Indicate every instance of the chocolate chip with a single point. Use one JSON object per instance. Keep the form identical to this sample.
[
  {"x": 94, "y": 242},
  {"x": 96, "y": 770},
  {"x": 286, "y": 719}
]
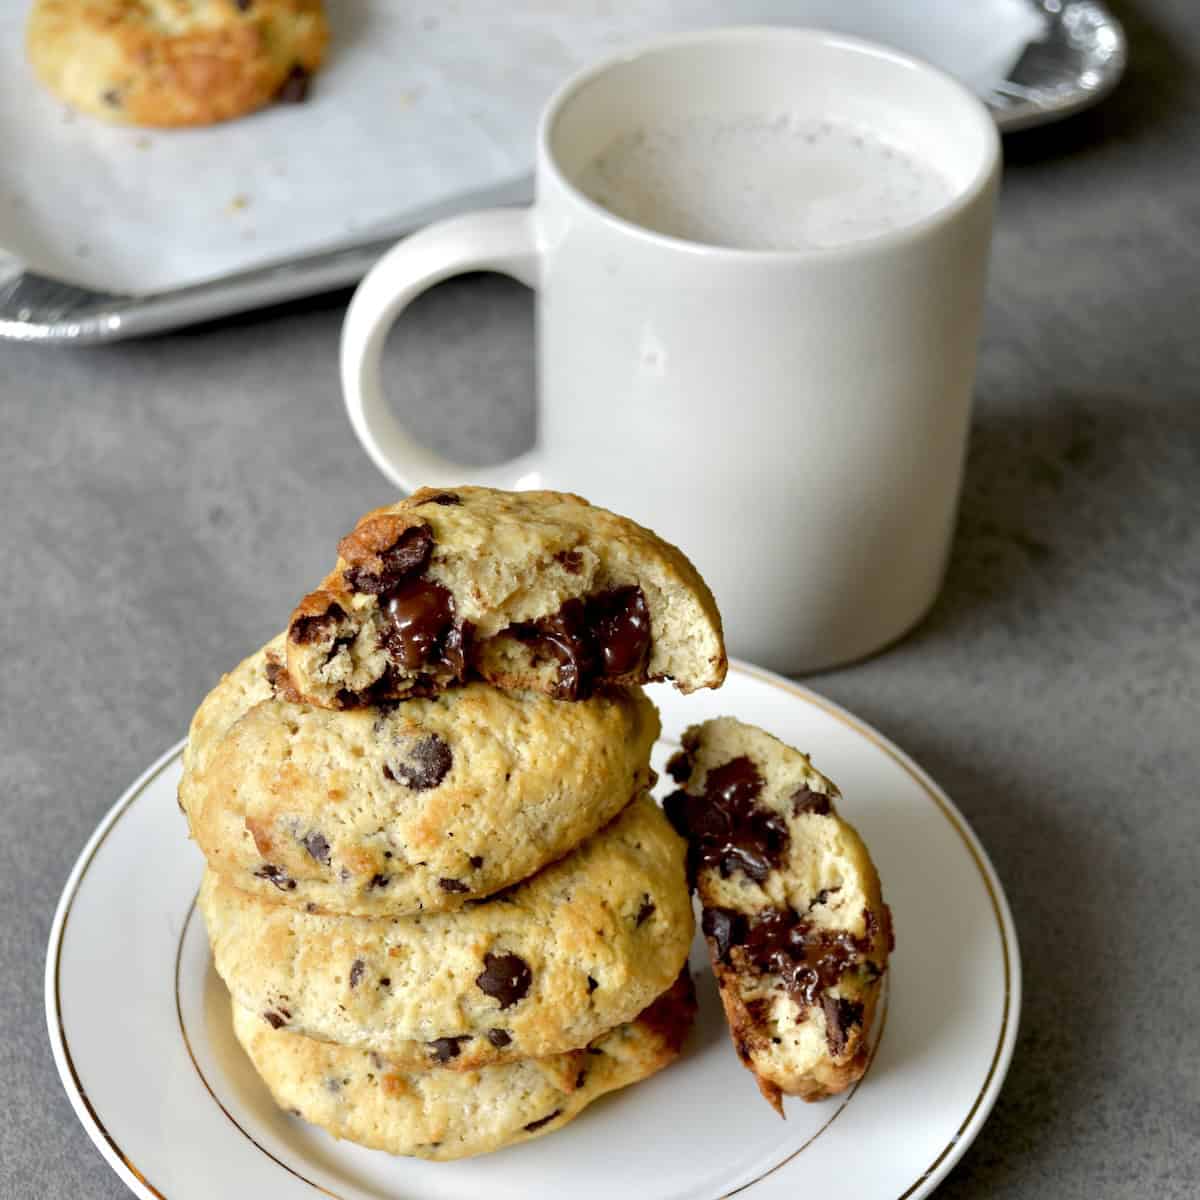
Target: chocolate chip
[
  {"x": 273, "y": 670},
  {"x": 444, "y": 1049},
  {"x": 425, "y": 765},
  {"x": 805, "y": 800},
  {"x": 306, "y": 630},
  {"x": 356, "y": 972},
  {"x": 498, "y": 1038},
  {"x": 807, "y": 960},
  {"x": 407, "y": 556},
  {"x": 571, "y": 560},
  {"x": 274, "y": 1020},
  {"x": 644, "y": 913},
  {"x": 580, "y": 1078},
  {"x": 822, "y": 897},
  {"x": 318, "y": 847},
  {"x": 476, "y": 861},
  {"x": 452, "y": 885},
  {"x": 505, "y": 977},
  {"x": 605, "y": 637},
  {"x": 385, "y": 981},
  {"x": 443, "y": 498},
  {"x": 419, "y": 627},
  {"x": 841, "y": 1015},
  {"x": 592, "y": 985},
  {"x": 244, "y": 5},
  {"x": 542, "y": 1120},
  {"x": 620, "y": 623},
  {"x": 111, "y": 97},
  {"x": 379, "y": 881},
  {"x": 725, "y": 927},
  {"x": 295, "y": 86},
  {"x": 725, "y": 828},
  {"x": 276, "y": 875},
  {"x": 679, "y": 766}
]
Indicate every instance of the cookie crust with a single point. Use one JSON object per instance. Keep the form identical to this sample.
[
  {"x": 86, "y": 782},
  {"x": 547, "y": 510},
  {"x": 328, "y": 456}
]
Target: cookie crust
[{"x": 170, "y": 63}]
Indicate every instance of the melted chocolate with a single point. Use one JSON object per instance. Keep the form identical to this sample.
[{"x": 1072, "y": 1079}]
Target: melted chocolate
[
  {"x": 725, "y": 828},
  {"x": 443, "y": 498},
  {"x": 679, "y": 766},
  {"x": 452, "y": 885},
  {"x": 605, "y": 637},
  {"x": 407, "y": 556},
  {"x": 505, "y": 977},
  {"x": 418, "y": 615},
  {"x": 620, "y": 624},
  {"x": 807, "y": 960}
]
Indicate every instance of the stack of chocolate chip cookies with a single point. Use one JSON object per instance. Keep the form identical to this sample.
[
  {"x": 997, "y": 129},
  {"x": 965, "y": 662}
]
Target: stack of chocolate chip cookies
[{"x": 446, "y": 908}]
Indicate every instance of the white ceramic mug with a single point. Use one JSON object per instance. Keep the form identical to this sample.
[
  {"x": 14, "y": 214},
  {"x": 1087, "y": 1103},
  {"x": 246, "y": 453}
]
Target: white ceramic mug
[{"x": 797, "y": 420}]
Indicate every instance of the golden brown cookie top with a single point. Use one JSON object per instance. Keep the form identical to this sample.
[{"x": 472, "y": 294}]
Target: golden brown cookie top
[
  {"x": 442, "y": 1115},
  {"x": 541, "y": 968},
  {"x": 425, "y": 805},
  {"x": 175, "y": 62}
]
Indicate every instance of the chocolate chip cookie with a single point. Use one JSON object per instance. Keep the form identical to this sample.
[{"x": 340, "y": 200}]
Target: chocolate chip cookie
[
  {"x": 539, "y": 969},
  {"x": 536, "y": 590},
  {"x": 360, "y": 1095},
  {"x": 796, "y": 926},
  {"x": 423, "y": 805},
  {"x": 162, "y": 62}
]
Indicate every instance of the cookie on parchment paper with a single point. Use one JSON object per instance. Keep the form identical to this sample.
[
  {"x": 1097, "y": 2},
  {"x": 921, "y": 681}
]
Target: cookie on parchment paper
[{"x": 175, "y": 62}]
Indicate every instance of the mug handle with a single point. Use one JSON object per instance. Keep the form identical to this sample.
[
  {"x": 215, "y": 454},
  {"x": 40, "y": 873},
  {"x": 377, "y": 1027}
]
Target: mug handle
[{"x": 499, "y": 239}]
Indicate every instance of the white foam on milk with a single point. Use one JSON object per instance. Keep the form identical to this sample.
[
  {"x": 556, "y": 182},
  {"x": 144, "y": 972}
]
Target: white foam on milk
[{"x": 758, "y": 182}]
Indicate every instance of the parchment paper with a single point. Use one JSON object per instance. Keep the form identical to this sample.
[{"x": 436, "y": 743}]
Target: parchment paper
[{"x": 420, "y": 105}]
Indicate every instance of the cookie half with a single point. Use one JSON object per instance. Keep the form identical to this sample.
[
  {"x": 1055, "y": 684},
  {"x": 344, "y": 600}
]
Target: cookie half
[
  {"x": 536, "y": 590},
  {"x": 796, "y": 925},
  {"x": 423, "y": 805},
  {"x": 539, "y": 969},
  {"x": 359, "y": 1095},
  {"x": 162, "y": 62}
]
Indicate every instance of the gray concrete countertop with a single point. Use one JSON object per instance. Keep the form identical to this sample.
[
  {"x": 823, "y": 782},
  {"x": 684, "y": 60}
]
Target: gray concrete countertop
[{"x": 164, "y": 504}]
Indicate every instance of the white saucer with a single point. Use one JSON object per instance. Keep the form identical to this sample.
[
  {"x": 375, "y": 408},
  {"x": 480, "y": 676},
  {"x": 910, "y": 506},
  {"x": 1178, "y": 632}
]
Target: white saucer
[{"x": 139, "y": 1021}]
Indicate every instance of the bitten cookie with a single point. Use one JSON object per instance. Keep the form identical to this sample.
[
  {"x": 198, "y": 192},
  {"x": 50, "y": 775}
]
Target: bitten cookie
[
  {"x": 542, "y": 968},
  {"x": 536, "y": 590},
  {"x": 797, "y": 929},
  {"x": 442, "y": 1115},
  {"x": 423, "y": 805},
  {"x": 170, "y": 62}
]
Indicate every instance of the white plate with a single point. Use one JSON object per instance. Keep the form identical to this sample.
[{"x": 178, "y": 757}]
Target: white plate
[{"x": 139, "y": 1021}]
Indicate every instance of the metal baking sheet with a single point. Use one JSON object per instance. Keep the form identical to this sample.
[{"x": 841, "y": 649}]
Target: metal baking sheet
[{"x": 1077, "y": 61}]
